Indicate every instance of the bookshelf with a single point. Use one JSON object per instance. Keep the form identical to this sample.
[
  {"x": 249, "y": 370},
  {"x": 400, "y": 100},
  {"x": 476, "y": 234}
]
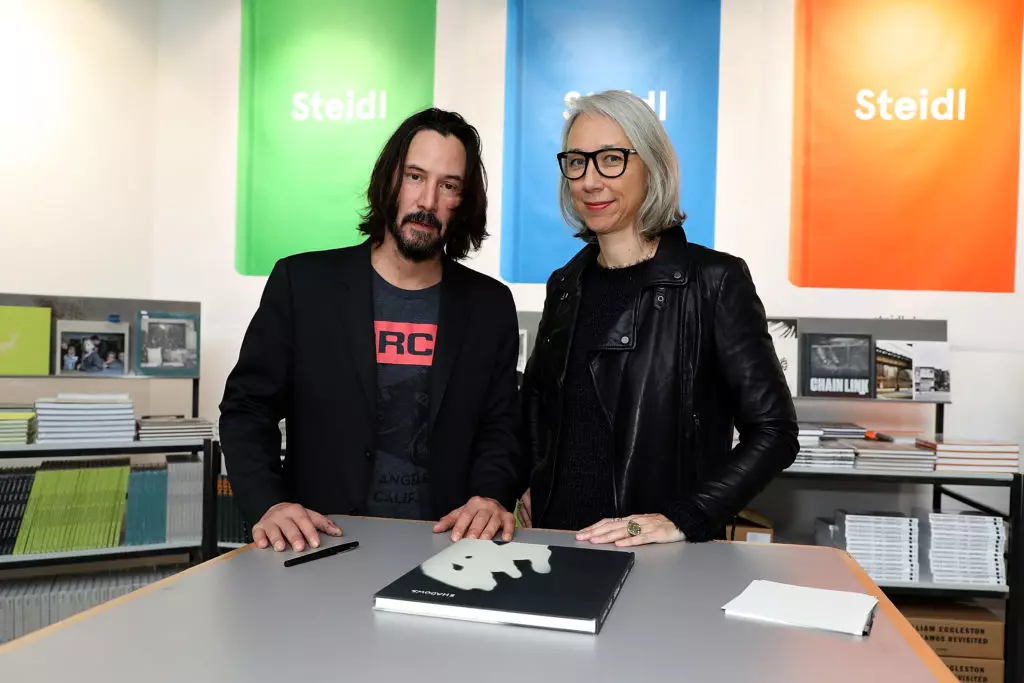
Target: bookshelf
[
  {"x": 199, "y": 549},
  {"x": 938, "y": 481}
]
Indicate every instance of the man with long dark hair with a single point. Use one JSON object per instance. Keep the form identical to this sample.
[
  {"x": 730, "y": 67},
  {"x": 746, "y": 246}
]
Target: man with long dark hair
[{"x": 393, "y": 365}]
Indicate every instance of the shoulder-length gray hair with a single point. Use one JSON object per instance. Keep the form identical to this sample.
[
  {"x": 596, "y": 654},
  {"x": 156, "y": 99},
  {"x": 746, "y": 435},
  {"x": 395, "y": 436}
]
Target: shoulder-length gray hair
[{"x": 660, "y": 208}]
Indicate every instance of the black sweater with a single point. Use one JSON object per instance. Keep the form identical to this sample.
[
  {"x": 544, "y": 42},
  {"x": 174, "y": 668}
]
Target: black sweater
[{"x": 582, "y": 493}]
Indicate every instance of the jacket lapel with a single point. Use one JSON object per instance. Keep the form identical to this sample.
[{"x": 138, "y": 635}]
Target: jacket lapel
[
  {"x": 453, "y": 320},
  {"x": 357, "y": 317}
]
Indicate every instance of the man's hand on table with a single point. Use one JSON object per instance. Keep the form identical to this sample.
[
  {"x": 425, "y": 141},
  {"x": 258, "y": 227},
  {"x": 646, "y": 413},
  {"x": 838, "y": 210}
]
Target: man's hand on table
[
  {"x": 290, "y": 523},
  {"x": 479, "y": 518}
]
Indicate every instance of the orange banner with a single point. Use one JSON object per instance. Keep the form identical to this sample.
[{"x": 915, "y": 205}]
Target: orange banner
[{"x": 906, "y": 144}]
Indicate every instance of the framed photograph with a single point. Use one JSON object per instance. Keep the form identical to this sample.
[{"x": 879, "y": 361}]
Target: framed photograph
[
  {"x": 91, "y": 347},
  {"x": 168, "y": 344},
  {"x": 838, "y": 365}
]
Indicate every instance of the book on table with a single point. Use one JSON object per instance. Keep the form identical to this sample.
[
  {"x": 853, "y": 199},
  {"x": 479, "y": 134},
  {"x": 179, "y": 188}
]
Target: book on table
[{"x": 567, "y": 588}]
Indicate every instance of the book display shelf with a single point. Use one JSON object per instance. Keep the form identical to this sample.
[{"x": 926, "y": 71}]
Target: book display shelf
[
  {"x": 89, "y": 490},
  {"x": 890, "y": 340}
]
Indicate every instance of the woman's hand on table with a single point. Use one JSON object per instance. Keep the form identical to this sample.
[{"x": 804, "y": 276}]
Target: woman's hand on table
[
  {"x": 655, "y": 528},
  {"x": 290, "y": 523}
]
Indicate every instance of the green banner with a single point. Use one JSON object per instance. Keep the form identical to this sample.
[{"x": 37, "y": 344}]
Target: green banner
[{"x": 323, "y": 84}]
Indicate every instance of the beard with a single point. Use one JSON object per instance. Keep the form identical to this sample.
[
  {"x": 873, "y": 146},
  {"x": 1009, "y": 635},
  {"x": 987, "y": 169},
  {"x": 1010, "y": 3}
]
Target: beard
[{"x": 415, "y": 244}]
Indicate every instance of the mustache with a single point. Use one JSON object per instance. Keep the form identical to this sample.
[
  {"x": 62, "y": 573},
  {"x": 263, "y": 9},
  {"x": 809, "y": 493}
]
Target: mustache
[{"x": 426, "y": 218}]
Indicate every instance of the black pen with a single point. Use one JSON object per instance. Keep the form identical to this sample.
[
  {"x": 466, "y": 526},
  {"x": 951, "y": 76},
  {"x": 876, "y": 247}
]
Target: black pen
[{"x": 333, "y": 550}]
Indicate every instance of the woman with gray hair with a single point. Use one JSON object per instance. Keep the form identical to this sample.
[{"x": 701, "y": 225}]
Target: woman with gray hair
[{"x": 649, "y": 351}]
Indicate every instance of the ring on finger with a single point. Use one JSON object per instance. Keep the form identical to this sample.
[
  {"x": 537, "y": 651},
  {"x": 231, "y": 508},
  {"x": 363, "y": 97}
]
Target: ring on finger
[{"x": 633, "y": 528}]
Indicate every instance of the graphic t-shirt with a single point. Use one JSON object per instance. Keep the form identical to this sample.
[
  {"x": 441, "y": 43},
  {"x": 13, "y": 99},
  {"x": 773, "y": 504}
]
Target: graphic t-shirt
[{"x": 404, "y": 330}]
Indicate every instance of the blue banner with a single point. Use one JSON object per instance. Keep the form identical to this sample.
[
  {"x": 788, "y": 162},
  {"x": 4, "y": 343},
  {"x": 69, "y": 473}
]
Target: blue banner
[{"x": 665, "y": 51}]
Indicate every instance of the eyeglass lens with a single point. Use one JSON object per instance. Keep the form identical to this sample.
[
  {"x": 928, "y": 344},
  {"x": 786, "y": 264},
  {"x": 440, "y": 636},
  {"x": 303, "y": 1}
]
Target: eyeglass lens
[{"x": 610, "y": 163}]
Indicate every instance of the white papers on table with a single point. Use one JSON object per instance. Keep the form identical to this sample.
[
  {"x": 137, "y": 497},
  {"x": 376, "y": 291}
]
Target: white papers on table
[{"x": 819, "y": 608}]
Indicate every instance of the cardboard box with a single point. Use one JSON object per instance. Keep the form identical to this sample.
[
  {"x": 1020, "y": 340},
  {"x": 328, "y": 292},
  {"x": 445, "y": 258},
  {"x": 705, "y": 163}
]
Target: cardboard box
[
  {"x": 975, "y": 670},
  {"x": 750, "y": 527},
  {"x": 957, "y": 629}
]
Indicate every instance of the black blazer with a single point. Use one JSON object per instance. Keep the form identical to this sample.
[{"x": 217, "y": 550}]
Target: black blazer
[{"x": 308, "y": 356}]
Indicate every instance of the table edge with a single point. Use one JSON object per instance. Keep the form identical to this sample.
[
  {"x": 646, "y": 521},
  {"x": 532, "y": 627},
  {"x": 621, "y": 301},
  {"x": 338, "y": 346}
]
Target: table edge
[
  {"x": 47, "y": 630},
  {"x": 927, "y": 655}
]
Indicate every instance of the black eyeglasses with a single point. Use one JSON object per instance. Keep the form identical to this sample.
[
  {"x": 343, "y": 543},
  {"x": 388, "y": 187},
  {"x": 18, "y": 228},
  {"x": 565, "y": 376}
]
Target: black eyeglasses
[{"x": 609, "y": 162}]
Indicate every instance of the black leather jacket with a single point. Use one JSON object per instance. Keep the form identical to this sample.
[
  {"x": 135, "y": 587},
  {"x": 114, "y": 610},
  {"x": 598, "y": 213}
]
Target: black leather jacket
[{"x": 678, "y": 370}]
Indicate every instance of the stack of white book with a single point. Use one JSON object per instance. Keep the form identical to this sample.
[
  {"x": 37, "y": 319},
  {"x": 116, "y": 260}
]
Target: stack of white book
[
  {"x": 965, "y": 548},
  {"x": 17, "y": 427},
  {"x": 972, "y": 455},
  {"x": 174, "y": 428},
  {"x": 889, "y": 456},
  {"x": 837, "y": 430},
  {"x": 831, "y": 454},
  {"x": 885, "y": 544},
  {"x": 85, "y": 418}
]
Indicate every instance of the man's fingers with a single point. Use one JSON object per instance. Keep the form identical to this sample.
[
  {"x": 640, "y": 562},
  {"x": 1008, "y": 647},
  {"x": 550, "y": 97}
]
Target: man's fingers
[
  {"x": 324, "y": 524},
  {"x": 446, "y": 522},
  {"x": 307, "y": 529},
  {"x": 274, "y": 535},
  {"x": 461, "y": 523},
  {"x": 259, "y": 536},
  {"x": 291, "y": 532},
  {"x": 493, "y": 525},
  {"x": 479, "y": 523},
  {"x": 508, "y": 526}
]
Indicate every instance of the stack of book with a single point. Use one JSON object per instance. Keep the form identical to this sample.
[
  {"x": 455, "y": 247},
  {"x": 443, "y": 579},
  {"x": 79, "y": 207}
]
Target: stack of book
[
  {"x": 73, "y": 505},
  {"x": 174, "y": 428},
  {"x": 885, "y": 544},
  {"x": 184, "y": 498},
  {"x": 17, "y": 427},
  {"x": 972, "y": 455},
  {"x": 836, "y": 430},
  {"x": 831, "y": 454},
  {"x": 85, "y": 418},
  {"x": 888, "y": 456},
  {"x": 35, "y": 603},
  {"x": 965, "y": 548}
]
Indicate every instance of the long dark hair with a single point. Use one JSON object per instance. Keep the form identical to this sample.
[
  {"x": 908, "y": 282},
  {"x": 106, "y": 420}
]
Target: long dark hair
[{"x": 468, "y": 226}]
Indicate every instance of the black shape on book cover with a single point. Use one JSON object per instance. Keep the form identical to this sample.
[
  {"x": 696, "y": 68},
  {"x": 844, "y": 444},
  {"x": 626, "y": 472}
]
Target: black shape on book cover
[{"x": 526, "y": 578}]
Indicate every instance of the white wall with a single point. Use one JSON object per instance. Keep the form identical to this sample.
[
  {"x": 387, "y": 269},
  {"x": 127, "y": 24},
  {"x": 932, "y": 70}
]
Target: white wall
[{"x": 77, "y": 134}]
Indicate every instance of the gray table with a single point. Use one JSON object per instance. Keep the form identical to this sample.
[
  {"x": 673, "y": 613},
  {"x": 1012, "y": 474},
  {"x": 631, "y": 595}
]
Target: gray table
[{"x": 245, "y": 617}]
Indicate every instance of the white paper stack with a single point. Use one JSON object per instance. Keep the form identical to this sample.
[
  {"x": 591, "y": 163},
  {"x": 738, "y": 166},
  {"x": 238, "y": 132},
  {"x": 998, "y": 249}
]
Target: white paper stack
[
  {"x": 972, "y": 455},
  {"x": 885, "y": 544},
  {"x": 819, "y": 608},
  {"x": 173, "y": 428},
  {"x": 965, "y": 548},
  {"x": 85, "y": 418},
  {"x": 889, "y": 456}
]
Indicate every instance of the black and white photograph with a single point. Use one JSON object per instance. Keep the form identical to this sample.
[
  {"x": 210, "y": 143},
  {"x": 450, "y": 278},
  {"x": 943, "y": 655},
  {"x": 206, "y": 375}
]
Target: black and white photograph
[
  {"x": 168, "y": 343},
  {"x": 91, "y": 347},
  {"x": 838, "y": 365},
  {"x": 932, "y": 365},
  {"x": 787, "y": 347},
  {"x": 894, "y": 369}
]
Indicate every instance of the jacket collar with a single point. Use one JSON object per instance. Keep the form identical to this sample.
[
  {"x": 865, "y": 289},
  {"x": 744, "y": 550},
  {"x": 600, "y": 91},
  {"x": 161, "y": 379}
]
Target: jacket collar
[{"x": 667, "y": 267}]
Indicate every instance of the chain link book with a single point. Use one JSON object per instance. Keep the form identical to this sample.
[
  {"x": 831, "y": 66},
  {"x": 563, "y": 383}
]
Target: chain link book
[{"x": 524, "y": 584}]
